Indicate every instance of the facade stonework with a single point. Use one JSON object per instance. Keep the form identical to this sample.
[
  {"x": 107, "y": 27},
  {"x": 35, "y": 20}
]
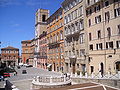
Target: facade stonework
[
  {"x": 55, "y": 40},
  {"x": 103, "y": 30},
  {"x": 42, "y": 61},
  {"x": 75, "y": 50},
  {"x": 10, "y": 56},
  {"x": 40, "y": 28},
  {"x": 27, "y": 51}
]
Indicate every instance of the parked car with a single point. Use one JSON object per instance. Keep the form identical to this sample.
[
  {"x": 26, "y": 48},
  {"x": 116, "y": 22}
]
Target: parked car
[
  {"x": 6, "y": 75},
  {"x": 1, "y": 78},
  {"x": 24, "y": 72}
]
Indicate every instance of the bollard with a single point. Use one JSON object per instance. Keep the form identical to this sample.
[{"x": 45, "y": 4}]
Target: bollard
[
  {"x": 80, "y": 74},
  {"x": 64, "y": 78},
  {"x": 100, "y": 75},
  {"x": 92, "y": 75},
  {"x": 71, "y": 74},
  {"x": 86, "y": 75},
  {"x": 118, "y": 74},
  {"x": 75, "y": 74},
  {"x": 51, "y": 79},
  {"x": 37, "y": 78}
]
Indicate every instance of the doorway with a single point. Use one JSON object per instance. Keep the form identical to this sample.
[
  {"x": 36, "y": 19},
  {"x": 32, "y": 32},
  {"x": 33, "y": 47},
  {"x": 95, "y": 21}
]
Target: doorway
[
  {"x": 102, "y": 69},
  {"x": 117, "y": 66},
  {"x": 74, "y": 68}
]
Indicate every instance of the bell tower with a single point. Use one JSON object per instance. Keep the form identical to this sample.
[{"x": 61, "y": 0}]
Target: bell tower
[
  {"x": 40, "y": 25},
  {"x": 40, "y": 21}
]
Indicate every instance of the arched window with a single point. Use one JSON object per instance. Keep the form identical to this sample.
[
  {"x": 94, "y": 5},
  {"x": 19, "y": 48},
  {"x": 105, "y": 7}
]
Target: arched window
[{"x": 61, "y": 35}]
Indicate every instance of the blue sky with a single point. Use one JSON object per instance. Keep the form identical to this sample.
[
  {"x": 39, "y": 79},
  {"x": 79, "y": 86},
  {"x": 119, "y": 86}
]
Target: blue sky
[{"x": 17, "y": 19}]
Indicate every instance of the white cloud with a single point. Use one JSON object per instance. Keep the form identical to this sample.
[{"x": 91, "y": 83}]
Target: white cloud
[
  {"x": 36, "y": 2},
  {"x": 9, "y": 2}
]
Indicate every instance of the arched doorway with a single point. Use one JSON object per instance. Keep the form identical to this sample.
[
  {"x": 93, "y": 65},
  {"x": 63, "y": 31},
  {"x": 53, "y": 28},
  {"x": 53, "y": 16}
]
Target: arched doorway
[
  {"x": 117, "y": 66},
  {"x": 54, "y": 67},
  {"x": 102, "y": 68},
  {"x": 73, "y": 68}
]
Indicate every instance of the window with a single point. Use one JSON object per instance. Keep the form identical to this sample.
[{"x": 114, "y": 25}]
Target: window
[
  {"x": 69, "y": 53},
  {"x": 99, "y": 34},
  {"x": 77, "y": 52},
  {"x": 81, "y": 25},
  {"x": 66, "y": 53},
  {"x": 107, "y": 16},
  {"x": 61, "y": 35},
  {"x": 82, "y": 52},
  {"x": 92, "y": 69},
  {"x": 77, "y": 65},
  {"x": 91, "y": 47},
  {"x": 72, "y": 15},
  {"x": 81, "y": 38},
  {"x": 99, "y": 46},
  {"x": 117, "y": 12},
  {"x": 97, "y": 8},
  {"x": 118, "y": 44},
  {"x": 98, "y": 19},
  {"x": 119, "y": 29},
  {"x": 109, "y": 45},
  {"x": 69, "y": 18},
  {"x": 90, "y": 37},
  {"x": 80, "y": 11},
  {"x": 66, "y": 19},
  {"x": 89, "y": 22},
  {"x": 43, "y": 18},
  {"x": 109, "y": 32},
  {"x": 106, "y": 3},
  {"x": 76, "y": 26},
  {"x": 89, "y": 11},
  {"x": 88, "y": 1},
  {"x": 60, "y": 15}
]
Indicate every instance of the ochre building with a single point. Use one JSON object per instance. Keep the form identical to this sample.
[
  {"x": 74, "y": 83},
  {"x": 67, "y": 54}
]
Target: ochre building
[{"x": 55, "y": 40}]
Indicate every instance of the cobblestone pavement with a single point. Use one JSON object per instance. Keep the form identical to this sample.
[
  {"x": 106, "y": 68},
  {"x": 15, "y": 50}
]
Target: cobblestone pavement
[
  {"x": 85, "y": 86},
  {"x": 23, "y": 81}
]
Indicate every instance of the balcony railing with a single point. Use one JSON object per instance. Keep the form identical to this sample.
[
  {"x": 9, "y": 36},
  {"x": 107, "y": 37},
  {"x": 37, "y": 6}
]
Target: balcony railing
[
  {"x": 53, "y": 44},
  {"x": 76, "y": 31},
  {"x": 92, "y": 2}
]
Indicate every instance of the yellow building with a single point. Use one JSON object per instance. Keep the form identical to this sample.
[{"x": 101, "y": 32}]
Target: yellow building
[
  {"x": 75, "y": 50},
  {"x": 55, "y": 41},
  {"x": 103, "y": 30}
]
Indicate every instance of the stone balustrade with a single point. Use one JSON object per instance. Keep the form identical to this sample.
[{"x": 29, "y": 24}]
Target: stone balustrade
[
  {"x": 98, "y": 75},
  {"x": 49, "y": 81}
]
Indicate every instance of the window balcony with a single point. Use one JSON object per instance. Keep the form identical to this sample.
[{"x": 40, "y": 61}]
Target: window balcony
[
  {"x": 53, "y": 44},
  {"x": 73, "y": 33},
  {"x": 92, "y": 2}
]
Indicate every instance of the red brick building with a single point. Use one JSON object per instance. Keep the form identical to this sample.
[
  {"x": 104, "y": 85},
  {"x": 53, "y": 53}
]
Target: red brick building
[
  {"x": 10, "y": 56},
  {"x": 42, "y": 60}
]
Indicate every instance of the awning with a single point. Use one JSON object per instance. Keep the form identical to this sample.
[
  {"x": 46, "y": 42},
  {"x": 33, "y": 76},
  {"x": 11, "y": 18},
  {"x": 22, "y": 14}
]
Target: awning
[{"x": 49, "y": 65}]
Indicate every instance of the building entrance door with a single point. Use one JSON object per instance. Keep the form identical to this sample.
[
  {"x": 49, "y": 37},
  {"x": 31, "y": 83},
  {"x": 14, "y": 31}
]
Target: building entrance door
[
  {"x": 54, "y": 67},
  {"x": 102, "y": 69},
  {"x": 73, "y": 68},
  {"x": 118, "y": 66}
]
